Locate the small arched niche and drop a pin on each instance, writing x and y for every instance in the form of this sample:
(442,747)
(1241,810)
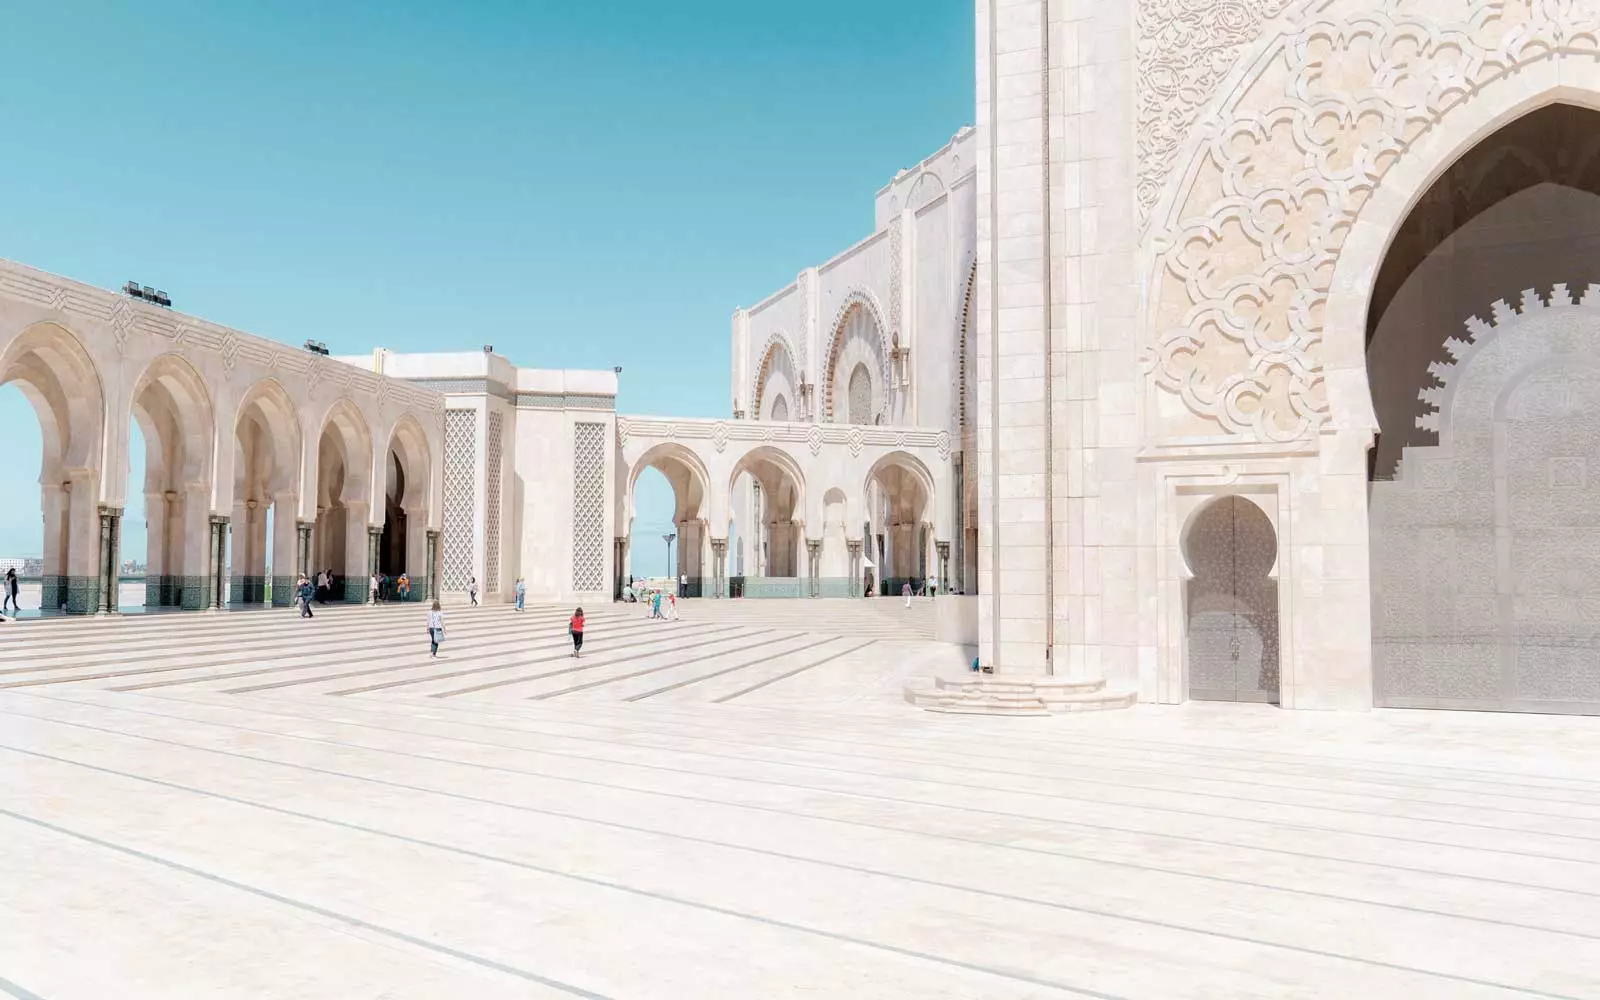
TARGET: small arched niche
(1231,628)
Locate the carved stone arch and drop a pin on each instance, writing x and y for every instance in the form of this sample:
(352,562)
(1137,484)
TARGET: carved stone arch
(777,358)
(862,300)
(1268,194)
(963,416)
(927,189)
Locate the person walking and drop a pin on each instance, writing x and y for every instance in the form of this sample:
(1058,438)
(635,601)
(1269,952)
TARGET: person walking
(672,607)
(522,593)
(933,587)
(575,626)
(11,591)
(405,586)
(306,592)
(435,630)
(905,591)
(372,589)
(655,605)
(472,590)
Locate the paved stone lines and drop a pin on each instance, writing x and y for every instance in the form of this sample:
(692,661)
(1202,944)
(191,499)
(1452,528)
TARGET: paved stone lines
(739,806)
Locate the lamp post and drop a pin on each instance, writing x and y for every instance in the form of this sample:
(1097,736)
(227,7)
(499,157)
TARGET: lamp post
(668,537)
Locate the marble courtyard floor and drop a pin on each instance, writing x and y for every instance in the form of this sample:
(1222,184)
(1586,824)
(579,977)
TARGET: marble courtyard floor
(740,806)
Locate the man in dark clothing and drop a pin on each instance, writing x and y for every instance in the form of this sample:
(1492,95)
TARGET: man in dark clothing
(306,593)
(11,591)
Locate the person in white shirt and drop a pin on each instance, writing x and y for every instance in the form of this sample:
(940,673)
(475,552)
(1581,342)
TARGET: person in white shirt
(372,587)
(435,629)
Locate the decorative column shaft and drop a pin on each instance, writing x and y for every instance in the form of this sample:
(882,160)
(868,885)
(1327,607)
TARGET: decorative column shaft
(110,556)
(433,565)
(719,567)
(374,544)
(944,565)
(814,564)
(854,546)
(303,548)
(219,560)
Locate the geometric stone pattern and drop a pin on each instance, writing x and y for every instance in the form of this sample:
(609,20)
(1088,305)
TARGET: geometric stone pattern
(1268,187)
(588,506)
(460,442)
(1486,547)
(494,449)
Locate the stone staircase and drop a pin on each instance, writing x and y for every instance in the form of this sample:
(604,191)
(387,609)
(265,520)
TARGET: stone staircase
(990,695)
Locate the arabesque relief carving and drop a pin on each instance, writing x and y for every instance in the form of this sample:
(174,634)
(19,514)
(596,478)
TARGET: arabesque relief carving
(1272,182)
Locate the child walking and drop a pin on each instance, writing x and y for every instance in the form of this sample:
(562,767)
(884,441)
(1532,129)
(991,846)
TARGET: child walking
(435,630)
(576,628)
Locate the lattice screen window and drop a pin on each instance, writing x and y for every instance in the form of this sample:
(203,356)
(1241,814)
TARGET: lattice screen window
(460,446)
(491,503)
(588,507)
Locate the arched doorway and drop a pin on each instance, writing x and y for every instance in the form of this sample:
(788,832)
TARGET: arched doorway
(687,477)
(59,380)
(899,526)
(1485,479)
(344,498)
(1231,603)
(777,384)
(173,411)
(776,519)
(403,543)
(265,501)
(834,558)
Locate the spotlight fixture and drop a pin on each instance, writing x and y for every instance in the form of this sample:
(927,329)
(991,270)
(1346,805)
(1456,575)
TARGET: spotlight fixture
(317,347)
(145,293)
(616,369)
(488,348)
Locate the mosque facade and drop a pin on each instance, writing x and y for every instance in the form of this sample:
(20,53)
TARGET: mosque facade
(1239,351)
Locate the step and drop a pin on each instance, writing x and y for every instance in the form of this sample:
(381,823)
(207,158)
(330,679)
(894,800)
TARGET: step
(1016,695)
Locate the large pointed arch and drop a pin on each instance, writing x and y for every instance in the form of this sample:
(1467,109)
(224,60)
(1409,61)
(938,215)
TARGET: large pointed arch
(775,394)
(858,337)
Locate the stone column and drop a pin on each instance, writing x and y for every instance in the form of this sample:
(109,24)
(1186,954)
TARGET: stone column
(434,582)
(853,545)
(374,543)
(814,565)
(719,567)
(944,567)
(218,582)
(357,555)
(303,548)
(110,557)
(619,547)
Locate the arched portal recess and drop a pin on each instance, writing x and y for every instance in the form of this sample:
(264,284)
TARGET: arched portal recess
(344,499)
(690,484)
(265,499)
(59,380)
(1231,603)
(1485,501)
(856,386)
(172,409)
(775,492)
(899,526)
(403,544)
(778,384)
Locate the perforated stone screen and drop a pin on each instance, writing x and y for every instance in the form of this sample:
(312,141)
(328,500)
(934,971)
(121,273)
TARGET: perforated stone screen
(495,449)
(460,445)
(588,506)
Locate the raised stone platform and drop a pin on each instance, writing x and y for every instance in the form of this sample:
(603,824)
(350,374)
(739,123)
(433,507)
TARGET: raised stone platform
(988,695)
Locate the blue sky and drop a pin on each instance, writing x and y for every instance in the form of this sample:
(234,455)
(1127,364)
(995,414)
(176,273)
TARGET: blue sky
(580,184)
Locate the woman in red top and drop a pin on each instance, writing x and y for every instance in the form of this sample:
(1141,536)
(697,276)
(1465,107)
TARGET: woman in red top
(576,627)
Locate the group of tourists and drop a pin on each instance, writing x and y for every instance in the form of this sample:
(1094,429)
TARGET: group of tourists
(659,603)
(929,590)
(383,587)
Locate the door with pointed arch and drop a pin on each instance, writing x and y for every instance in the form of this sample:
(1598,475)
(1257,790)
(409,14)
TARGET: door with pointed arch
(1231,603)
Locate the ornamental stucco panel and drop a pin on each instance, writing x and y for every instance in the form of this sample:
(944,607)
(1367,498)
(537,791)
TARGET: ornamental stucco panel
(1249,220)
